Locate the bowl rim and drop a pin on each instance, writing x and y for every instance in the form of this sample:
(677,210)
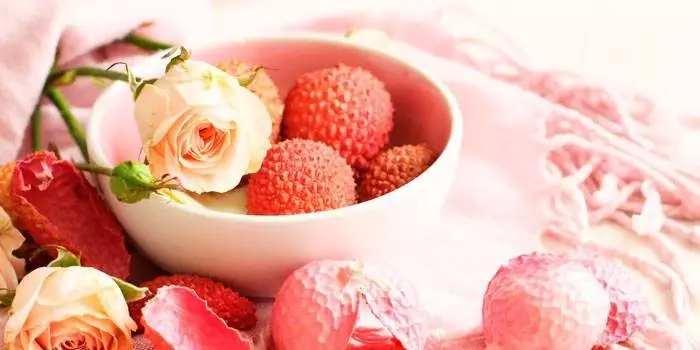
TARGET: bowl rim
(452,145)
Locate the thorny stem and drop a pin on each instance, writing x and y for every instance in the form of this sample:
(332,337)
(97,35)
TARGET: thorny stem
(98,169)
(64,77)
(74,128)
(146,43)
(94,168)
(36,128)
(90,72)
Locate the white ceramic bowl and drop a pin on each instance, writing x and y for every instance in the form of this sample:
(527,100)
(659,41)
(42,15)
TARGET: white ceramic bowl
(256,253)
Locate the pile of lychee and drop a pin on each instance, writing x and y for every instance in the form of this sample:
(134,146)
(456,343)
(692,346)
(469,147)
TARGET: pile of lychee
(330,139)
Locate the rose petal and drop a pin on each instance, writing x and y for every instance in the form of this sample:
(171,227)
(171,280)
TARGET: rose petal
(395,306)
(97,333)
(151,110)
(77,287)
(198,83)
(177,319)
(26,294)
(220,171)
(8,276)
(259,126)
(10,240)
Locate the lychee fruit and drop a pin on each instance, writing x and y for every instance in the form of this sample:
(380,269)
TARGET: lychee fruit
(345,107)
(544,301)
(262,86)
(629,307)
(394,168)
(300,176)
(237,311)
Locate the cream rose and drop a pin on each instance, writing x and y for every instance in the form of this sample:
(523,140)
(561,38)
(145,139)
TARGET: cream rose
(11,267)
(68,308)
(197,123)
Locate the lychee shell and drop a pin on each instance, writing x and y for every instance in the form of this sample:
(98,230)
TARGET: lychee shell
(543,302)
(313,310)
(629,307)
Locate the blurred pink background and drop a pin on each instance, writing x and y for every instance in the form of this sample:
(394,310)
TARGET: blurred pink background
(645,45)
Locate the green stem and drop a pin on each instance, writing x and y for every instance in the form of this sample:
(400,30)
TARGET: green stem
(36,129)
(74,127)
(169,186)
(146,43)
(91,72)
(94,168)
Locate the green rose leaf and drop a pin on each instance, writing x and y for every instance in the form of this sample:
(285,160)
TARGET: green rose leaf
(130,291)
(6,298)
(247,78)
(64,258)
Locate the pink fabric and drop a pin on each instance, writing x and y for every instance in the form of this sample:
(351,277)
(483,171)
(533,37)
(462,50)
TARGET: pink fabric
(32,30)
(495,203)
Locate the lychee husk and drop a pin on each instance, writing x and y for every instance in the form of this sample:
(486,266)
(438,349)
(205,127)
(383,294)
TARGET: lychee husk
(262,86)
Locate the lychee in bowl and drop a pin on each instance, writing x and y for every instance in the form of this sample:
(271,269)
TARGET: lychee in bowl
(255,253)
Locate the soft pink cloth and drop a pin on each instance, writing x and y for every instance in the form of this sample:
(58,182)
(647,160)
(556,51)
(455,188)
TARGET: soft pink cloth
(32,30)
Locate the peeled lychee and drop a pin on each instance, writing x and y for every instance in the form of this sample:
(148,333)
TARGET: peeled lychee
(629,307)
(300,176)
(543,301)
(262,86)
(394,168)
(345,107)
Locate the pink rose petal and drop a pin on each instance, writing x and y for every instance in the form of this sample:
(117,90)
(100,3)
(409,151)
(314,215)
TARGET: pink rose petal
(396,308)
(177,319)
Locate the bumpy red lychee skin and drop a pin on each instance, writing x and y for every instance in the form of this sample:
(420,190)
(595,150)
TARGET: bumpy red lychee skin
(394,168)
(262,86)
(177,318)
(345,107)
(237,311)
(544,301)
(300,176)
(629,308)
